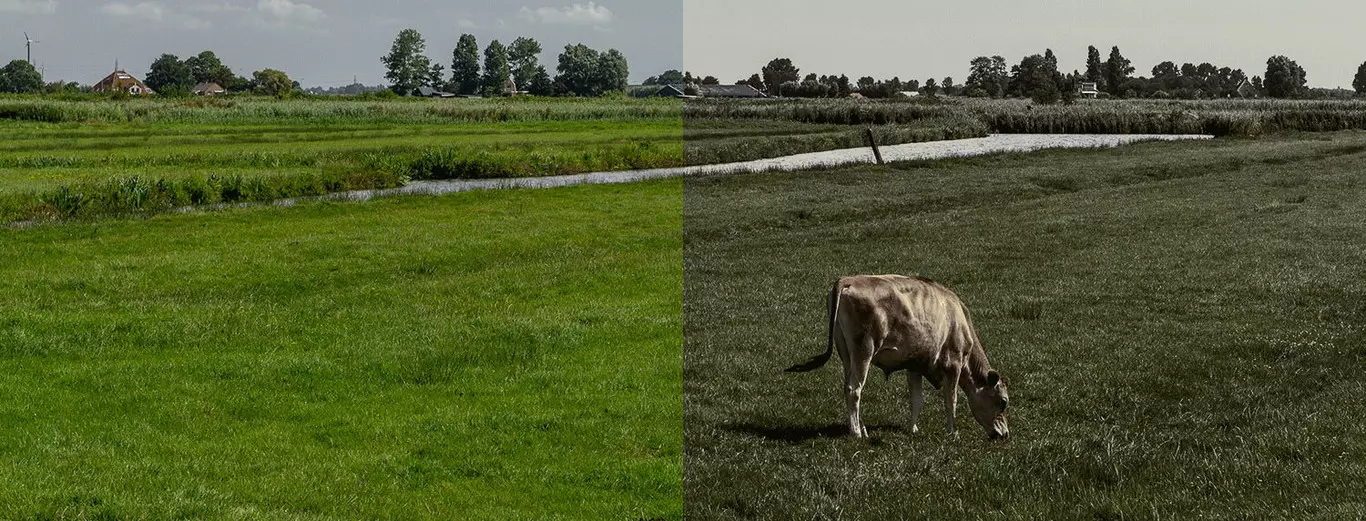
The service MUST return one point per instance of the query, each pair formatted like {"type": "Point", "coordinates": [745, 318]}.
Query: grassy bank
{"type": "Point", "coordinates": [1219, 118]}
{"type": "Point", "coordinates": [731, 140]}
{"type": "Point", "coordinates": [415, 358]}
{"type": "Point", "coordinates": [1181, 324]}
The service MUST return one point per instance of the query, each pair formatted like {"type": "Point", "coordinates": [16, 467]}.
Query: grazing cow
{"type": "Point", "coordinates": [912, 324]}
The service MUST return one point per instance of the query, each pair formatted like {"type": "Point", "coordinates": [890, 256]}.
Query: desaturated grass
{"type": "Point", "coordinates": [1182, 325]}
{"type": "Point", "coordinates": [1220, 118]}
{"type": "Point", "coordinates": [488, 355]}
{"type": "Point", "coordinates": [724, 141]}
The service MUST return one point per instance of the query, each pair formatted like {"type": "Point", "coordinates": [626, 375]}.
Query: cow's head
{"type": "Point", "coordinates": [988, 405]}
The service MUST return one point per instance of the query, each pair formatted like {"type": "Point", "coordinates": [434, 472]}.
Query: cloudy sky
{"type": "Point", "coordinates": [732, 39]}
{"type": "Point", "coordinates": [324, 42]}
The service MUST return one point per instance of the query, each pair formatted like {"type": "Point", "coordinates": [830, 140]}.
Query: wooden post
{"type": "Point", "coordinates": [872, 142]}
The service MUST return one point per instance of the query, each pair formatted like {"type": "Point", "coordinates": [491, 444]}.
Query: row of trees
{"type": "Point", "coordinates": [1037, 76]}
{"type": "Point", "coordinates": [582, 71]}
{"type": "Point", "coordinates": [169, 75]}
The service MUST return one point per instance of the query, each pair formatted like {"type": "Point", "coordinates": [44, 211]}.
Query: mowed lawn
{"type": "Point", "coordinates": [1183, 326]}
{"type": "Point", "coordinates": [488, 355]}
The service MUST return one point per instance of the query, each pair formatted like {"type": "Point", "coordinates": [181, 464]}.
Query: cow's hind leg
{"type": "Point", "coordinates": [916, 383]}
{"type": "Point", "coordinates": [855, 373]}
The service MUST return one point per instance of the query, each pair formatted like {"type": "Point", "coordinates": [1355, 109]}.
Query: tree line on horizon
{"type": "Point", "coordinates": [1037, 77]}
{"type": "Point", "coordinates": [168, 76]}
{"type": "Point", "coordinates": [581, 71]}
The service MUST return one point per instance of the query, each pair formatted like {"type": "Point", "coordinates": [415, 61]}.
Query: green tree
{"type": "Point", "coordinates": [524, 58]}
{"type": "Point", "coordinates": [407, 64]}
{"type": "Point", "coordinates": [1359, 82]}
{"type": "Point", "coordinates": [206, 67]}
{"type": "Point", "coordinates": [465, 66]}
{"type": "Point", "coordinates": [271, 82]}
{"type": "Point", "coordinates": [496, 68]}
{"type": "Point", "coordinates": [587, 72]}
{"type": "Point", "coordinates": [1095, 69]}
{"type": "Point", "coordinates": [577, 71]}
{"type": "Point", "coordinates": [20, 77]}
{"type": "Point", "coordinates": [436, 77]}
{"type": "Point", "coordinates": [169, 75]}
{"type": "Point", "coordinates": [1284, 78]}
{"type": "Point", "coordinates": [777, 72]}
{"type": "Point", "coordinates": [1117, 70]}
{"type": "Point", "coordinates": [540, 83]}
{"type": "Point", "coordinates": [613, 71]}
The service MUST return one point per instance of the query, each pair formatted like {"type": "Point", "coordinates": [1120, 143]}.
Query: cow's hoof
{"type": "Point", "coordinates": [915, 429]}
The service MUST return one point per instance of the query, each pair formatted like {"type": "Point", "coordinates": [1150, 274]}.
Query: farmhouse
{"type": "Point", "coordinates": [208, 89]}
{"type": "Point", "coordinates": [1246, 90]}
{"type": "Point", "coordinates": [428, 92]}
{"type": "Point", "coordinates": [729, 91]}
{"type": "Point", "coordinates": [1088, 90]}
{"type": "Point", "coordinates": [121, 81]}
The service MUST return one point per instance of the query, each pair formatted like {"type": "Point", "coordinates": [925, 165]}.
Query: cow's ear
{"type": "Point", "coordinates": [993, 378]}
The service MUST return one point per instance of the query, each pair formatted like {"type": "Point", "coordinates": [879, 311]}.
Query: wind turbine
{"type": "Point", "coordinates": [29, 45]}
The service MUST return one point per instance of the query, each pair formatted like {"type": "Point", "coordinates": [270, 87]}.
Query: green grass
{"type": "Point", "coordinates": [488, 355]}
{"type": "Point", "coordinates": [64, 159]}
{"type": "Point", "coordinates": [1182, 325]}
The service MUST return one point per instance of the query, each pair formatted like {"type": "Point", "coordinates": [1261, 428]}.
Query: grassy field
{"type": "Point", "coordinates": [62, 159]}
{"type": "Point", "coordinates": [1182, 325]}
{"type": "Point", "coordinates": [489, 355]}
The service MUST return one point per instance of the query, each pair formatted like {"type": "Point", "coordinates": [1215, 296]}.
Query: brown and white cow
{"type": "Point", "coordinates": [917, 325]}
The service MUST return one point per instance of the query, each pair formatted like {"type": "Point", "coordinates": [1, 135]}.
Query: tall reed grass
{"type": "Point", "coordinates": [322, 110]}
{"type": "Point", "coordinates": [139, 195]}
{"type": "Point", "coordinates": [1220, 118]}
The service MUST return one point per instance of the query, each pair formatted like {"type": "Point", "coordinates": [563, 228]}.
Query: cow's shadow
{"type": "Point", "coordinates": [803, 433]}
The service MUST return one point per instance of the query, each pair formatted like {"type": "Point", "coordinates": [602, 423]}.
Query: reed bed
{"type": "Point", "coordinates": [1219, 117]}
{"type": "Point", "coordinates": [334, 111]}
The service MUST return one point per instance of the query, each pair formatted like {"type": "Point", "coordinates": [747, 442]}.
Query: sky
{"type": "Point", "coordinates": [915, 39]}
{"type": "Point", "coordinates": [330, 42]}
{"type": "Point", "coordinates": [324, 42]}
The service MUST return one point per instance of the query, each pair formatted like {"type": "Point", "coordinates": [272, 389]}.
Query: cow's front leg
{"type": "Point", "coordinates": [950, 390]}
{"type": "Point", "coordinates": [854, 376]}
{"type": "Point", "coordinates": [916, 383]}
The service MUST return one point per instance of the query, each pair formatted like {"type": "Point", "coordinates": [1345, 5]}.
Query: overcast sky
{"type": "Point", "coordinates": [915, 39]}
{"type": "Point", "coordinates": [324, 42]}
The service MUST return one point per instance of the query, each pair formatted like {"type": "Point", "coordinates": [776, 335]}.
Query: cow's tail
{"type": "Point", "coordinates": [833, 308]}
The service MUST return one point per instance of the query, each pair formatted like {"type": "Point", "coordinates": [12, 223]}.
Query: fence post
{"type": "Point", "coordinates": [872, 142]}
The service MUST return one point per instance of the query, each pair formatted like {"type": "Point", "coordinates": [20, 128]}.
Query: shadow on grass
{"type": "Point", "coordinates": [803, 433]}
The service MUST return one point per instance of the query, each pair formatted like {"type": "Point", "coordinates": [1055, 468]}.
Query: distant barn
{"type": "Point", "coordinates": [679, 90]}
{"type": "Point", "coordinates": [428, 92]}
{"type": "Point", "coordinates": [729, 91]}
{"type": "Point", "coordinates": [1246, 90]}
{"type": "Point", "coordinates": [208, 89]}
{"type": "Point", "coordinates": [121, 81]}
